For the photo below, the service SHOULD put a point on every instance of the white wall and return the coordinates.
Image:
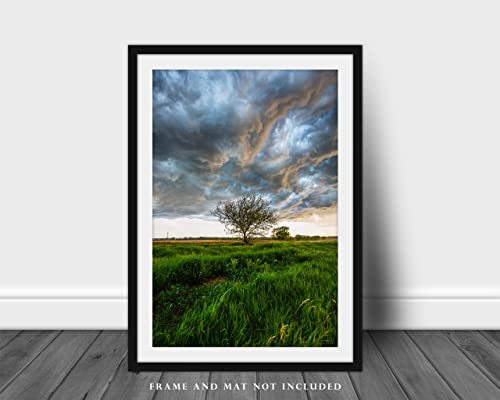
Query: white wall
(431, 138)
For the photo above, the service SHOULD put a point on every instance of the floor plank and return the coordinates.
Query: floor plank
(233, 377)
(7, 336)
(376, 381)
(456, 369)
(492, 336)
(47, 370)
(396, 365)
(480, 351)
(90, 377)
(126, 385)
(415, 373)
(278, 378)
(189, 378)
(346, 391)
(19, 352)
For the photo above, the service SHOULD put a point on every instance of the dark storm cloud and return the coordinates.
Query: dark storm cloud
(220, 134)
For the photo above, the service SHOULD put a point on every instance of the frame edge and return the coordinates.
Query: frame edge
(134, 50)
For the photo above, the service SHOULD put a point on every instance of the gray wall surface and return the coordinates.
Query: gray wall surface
(431, 138)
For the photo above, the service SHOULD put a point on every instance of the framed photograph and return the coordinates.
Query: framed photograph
(244, 207)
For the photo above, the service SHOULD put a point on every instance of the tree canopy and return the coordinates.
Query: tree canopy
(247, 217)
(281, 232)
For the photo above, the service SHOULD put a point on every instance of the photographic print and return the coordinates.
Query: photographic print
(241, 208)
(244, 208)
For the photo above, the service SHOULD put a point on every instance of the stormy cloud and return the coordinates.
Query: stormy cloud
(220, 134)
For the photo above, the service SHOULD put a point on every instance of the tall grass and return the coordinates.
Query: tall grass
(269, 294)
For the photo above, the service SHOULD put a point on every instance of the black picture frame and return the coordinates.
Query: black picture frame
(134, 51)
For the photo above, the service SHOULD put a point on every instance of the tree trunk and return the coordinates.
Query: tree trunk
(245, 239)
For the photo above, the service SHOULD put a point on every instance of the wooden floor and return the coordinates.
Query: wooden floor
(77, 365)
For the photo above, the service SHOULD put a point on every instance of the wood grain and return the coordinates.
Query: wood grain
(346, 392)
(127, 385)
(278, 379)
(78, 365)
(49, 368)
(376, 381)
(7, 336)
(492, 336)
(190, 379)
(249, 378)
(19, 352)
(454, 366)
(415, 373)
(480, 351)
(90, 377)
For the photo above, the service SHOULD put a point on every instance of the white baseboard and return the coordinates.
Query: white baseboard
(63, 313)
(431, 313)
(378, 313)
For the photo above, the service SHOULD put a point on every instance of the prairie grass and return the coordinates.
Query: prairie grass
(266, 294)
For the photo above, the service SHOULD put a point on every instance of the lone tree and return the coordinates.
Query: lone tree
(246, 217)
(281, 232)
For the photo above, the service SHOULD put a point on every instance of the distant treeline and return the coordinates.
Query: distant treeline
(305, 237)
(296, 237)
(198, 238)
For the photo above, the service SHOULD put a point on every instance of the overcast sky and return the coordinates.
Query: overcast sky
(220, 134)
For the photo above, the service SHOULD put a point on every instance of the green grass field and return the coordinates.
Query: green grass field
(231, 294)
